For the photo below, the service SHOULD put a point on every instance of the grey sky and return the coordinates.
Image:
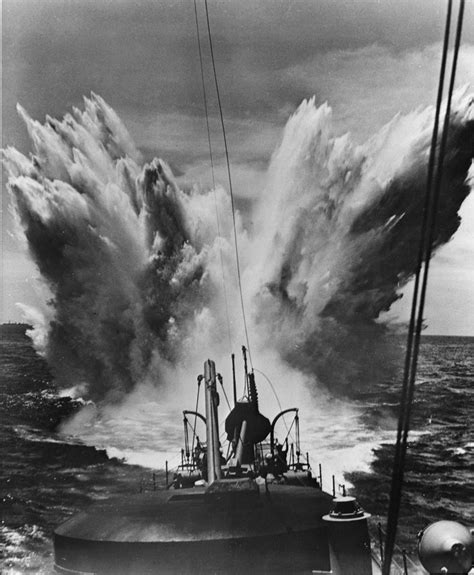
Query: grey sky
(369, 58)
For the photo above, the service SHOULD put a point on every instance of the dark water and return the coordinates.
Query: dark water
(45, 480)
(439, 473)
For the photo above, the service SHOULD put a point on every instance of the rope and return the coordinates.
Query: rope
(275, 394)
(289, 430)
(237, 260)
(219, 377)
(204, 98)
(195, 418)
(433, 188)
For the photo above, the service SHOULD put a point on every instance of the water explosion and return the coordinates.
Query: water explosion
(133, 263)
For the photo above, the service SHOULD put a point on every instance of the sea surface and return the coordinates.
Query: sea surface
(46, 477)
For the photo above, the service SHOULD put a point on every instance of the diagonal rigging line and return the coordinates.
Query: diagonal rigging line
(433, 189)
(204, 97)
(237, 260)
(395, 493)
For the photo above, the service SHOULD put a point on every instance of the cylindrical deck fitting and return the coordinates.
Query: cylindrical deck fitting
(348, 537)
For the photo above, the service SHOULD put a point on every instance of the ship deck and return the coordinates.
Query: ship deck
(276, 528)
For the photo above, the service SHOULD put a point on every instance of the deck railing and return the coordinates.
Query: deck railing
(400, 564)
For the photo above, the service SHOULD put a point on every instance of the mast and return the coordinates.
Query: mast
(212, 424)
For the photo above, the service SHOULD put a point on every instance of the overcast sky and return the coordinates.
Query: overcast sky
(368, 58)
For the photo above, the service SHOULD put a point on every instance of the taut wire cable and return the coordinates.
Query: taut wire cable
(221, 115)
(204, 97)
(433, 189)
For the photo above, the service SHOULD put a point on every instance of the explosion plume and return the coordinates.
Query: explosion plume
(133, 263)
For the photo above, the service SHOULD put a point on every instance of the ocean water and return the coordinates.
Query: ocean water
(439, 474)
(46, 476)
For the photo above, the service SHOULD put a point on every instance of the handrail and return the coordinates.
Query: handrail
(403, 570)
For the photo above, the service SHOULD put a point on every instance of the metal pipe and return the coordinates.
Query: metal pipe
(405, 565)
(297, 432)
(234, 381)
(240, 445)
(212, 425)
(196, 414)
(209, 420)
(379, 527)
(244, 353)
(186, 435)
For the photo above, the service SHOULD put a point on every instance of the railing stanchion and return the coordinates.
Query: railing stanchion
(379, 527)
(405, 565)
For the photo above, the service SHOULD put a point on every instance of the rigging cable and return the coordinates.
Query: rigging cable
(219, 377)
(433, 189)
(195, 417)
(204, 97)
(237, 259)
(275, 394)
(393, 513)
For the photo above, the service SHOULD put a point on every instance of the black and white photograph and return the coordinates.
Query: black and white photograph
(237, 320)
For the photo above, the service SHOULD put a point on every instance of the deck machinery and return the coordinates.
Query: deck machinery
(257, 510)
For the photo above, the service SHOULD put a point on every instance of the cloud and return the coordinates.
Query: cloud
(144, 54)
(368, 86)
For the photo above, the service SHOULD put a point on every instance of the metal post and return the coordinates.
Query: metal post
(405, 565)
(234, 381)
(334, 486)
(244, 353)
(186, 436)
(212, 425)
(166, 470)
(240, 445)
(297, 433)
(379, 527)
(320, 476)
